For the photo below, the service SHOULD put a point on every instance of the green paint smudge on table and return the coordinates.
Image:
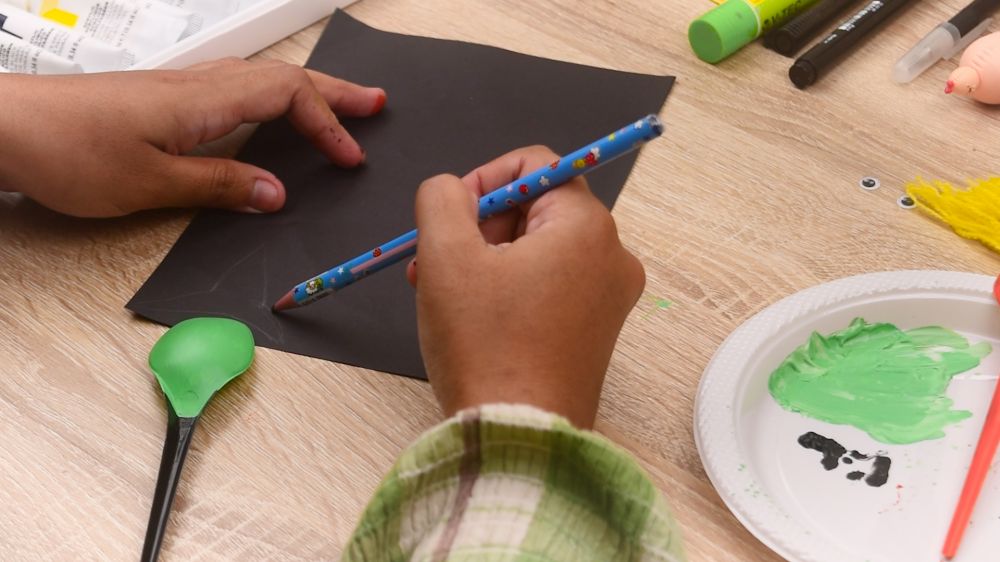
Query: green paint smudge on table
(882, 380)
(659, 303)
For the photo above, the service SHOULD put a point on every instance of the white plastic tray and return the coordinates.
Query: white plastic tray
(245, 33)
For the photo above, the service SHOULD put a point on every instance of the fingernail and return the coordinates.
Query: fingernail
(265, 196)
(380, 102)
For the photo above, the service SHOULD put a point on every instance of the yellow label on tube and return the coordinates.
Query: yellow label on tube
(51, 11)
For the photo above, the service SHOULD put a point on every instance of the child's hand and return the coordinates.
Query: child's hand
(525, 308)
(111, 144)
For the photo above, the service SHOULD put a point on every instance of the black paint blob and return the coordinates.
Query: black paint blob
(831, 449)
(834, 453)
(880, 471)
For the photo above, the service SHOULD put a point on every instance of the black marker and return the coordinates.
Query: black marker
(824, 55)
(791, 37)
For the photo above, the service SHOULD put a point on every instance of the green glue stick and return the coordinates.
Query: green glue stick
(726, 28)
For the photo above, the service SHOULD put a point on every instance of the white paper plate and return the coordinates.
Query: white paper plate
(779, 490)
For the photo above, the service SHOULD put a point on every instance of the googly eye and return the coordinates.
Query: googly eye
(869, 183)
(906, 202)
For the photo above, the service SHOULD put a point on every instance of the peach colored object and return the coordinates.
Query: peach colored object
(978, 73)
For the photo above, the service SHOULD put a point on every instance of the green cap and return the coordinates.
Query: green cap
(723, 30)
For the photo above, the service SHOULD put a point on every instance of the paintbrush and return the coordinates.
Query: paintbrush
(981, 461)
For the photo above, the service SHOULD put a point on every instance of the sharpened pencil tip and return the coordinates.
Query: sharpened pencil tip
(284, 303)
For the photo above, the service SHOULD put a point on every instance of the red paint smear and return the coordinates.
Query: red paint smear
(899, 498)
(379, 103)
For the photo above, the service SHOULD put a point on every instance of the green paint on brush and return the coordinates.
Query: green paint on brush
(882, 380)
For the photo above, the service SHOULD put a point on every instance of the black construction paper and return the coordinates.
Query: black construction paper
(451, 107)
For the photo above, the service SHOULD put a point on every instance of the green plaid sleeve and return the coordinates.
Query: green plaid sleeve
(504, 483)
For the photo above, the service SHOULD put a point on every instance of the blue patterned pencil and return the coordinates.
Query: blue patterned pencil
(531, 186)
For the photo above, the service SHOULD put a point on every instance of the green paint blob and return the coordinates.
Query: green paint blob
(882, 380)
(197, 357)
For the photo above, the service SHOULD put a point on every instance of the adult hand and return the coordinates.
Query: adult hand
(110, 144)
(526, 307)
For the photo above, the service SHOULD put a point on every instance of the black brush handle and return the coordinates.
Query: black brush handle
(175, 448)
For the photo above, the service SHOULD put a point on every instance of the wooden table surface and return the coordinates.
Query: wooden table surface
(753, 195)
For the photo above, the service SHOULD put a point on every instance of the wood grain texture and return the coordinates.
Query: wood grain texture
(751, 196)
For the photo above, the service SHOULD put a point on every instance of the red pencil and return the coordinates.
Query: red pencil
(981, 461)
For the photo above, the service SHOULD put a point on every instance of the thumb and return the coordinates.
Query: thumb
(448, 219)
(223, 183)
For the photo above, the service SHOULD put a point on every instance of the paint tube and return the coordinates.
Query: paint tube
(21, 56)
(92, 55)
(143, 27)
(207, 12)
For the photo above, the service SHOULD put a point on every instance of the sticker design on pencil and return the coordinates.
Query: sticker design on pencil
(834, 453)
(379, 257)
(523, 188)
(510, 203)
(543, 181)
(314, 286)
(885, 381)
(554, 165)
(611, 137)
(592, 158)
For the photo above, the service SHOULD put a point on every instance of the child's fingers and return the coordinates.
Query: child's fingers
(448, 221)
(572, 205)
(411, 272)
(516, 164)
(503, 170)
(509, 167)
(218, 182)
(268, 90)
(347, 98)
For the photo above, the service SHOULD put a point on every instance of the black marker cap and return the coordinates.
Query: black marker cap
(802, 74)
(781, 41)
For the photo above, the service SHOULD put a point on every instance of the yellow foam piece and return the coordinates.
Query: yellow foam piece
(973, 212)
